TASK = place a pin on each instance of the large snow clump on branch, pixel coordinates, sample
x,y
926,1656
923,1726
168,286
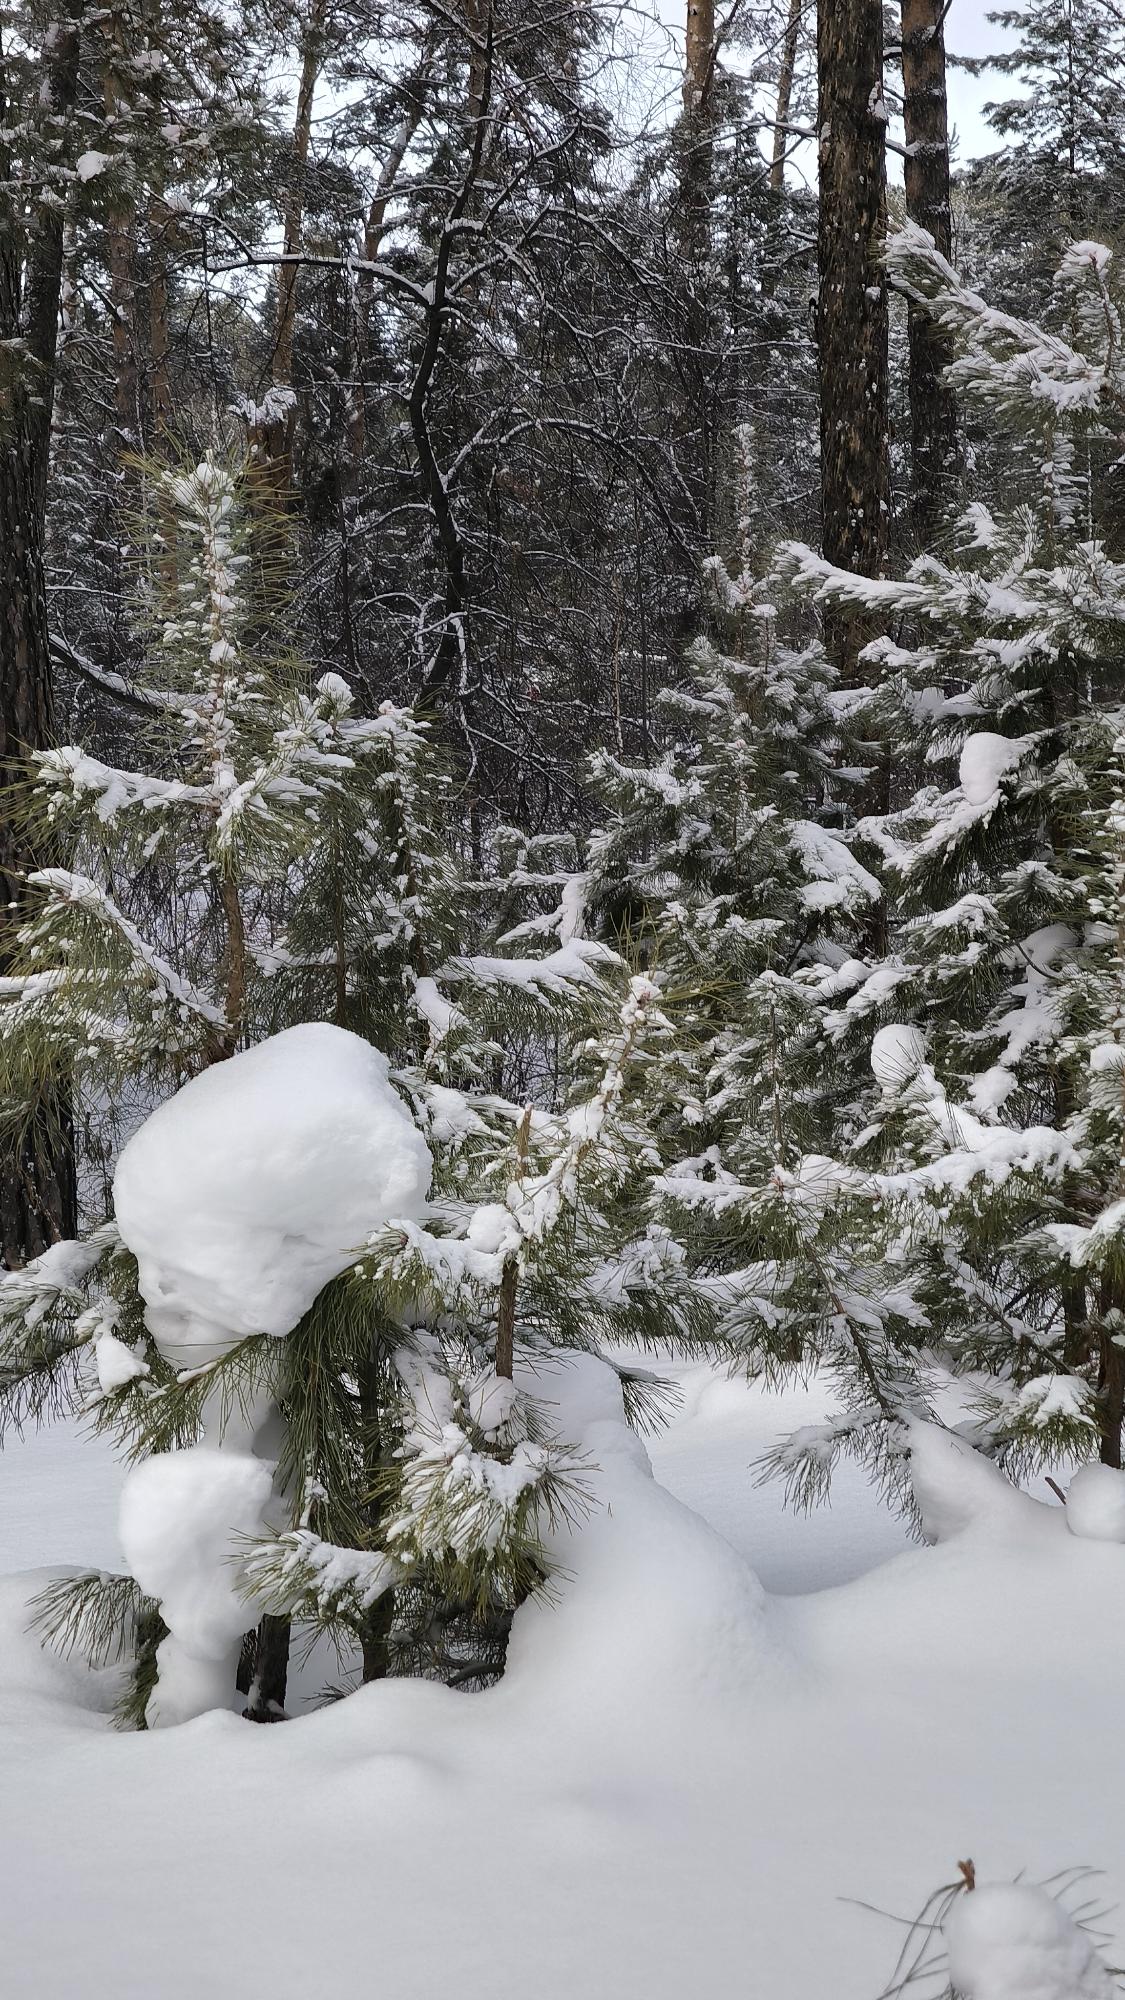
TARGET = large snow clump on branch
x,y
985,760
246,1192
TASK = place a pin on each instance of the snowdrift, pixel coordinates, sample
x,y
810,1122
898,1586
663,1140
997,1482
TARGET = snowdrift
x,y
674,1790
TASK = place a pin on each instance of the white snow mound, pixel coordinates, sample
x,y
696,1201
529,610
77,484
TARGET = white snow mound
x,y
1095,1504
1011,1941
183,1514
653,1608
956,1488
246,1192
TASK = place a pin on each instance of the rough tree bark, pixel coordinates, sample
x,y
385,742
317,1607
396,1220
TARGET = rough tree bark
x,y
37,1198
934,451
852,301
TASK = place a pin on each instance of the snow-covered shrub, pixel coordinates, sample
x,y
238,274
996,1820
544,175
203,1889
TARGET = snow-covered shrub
x,y
1005,1941
1014,1941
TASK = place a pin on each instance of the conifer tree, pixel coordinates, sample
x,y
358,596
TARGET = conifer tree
x,y
995,1140
728,869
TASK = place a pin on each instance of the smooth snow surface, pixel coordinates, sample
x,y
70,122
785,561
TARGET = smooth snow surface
x,y
677,1790
1012,1941
246,1192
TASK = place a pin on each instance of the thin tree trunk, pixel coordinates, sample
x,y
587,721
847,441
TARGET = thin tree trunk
x,y
159,226
852,301
120,238
478,20
373,240
1112,1386
510,1275
696,169
506,1319
375,1644
278,432
934,451
44,263
785,95
375,1638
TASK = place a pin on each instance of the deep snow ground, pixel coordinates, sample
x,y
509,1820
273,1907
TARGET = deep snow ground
x,y
672,1793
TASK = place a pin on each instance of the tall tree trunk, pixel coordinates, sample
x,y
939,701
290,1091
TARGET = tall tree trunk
x,y
374,228
699,56
160,243
479,22
278,432
120,233
696,170
934,452
37,1198
36,1168
44,256
785,95
852,301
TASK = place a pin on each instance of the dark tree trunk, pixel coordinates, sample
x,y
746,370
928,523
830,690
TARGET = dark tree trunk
x,y
37,1201
934,451
376,1638
1113,1402
270,1672
852,302
36,1169
1111,1376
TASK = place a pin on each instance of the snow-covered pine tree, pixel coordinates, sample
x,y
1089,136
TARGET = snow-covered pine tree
x,y
996,1140
727,869
1070,61
290,870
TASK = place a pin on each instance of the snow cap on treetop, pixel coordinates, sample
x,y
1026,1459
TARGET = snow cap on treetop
x,y
252,1187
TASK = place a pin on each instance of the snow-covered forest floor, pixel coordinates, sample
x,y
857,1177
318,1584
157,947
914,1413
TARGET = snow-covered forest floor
x,y
682,1785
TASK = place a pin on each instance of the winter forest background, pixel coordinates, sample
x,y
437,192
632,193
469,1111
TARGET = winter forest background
x,y
562,825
